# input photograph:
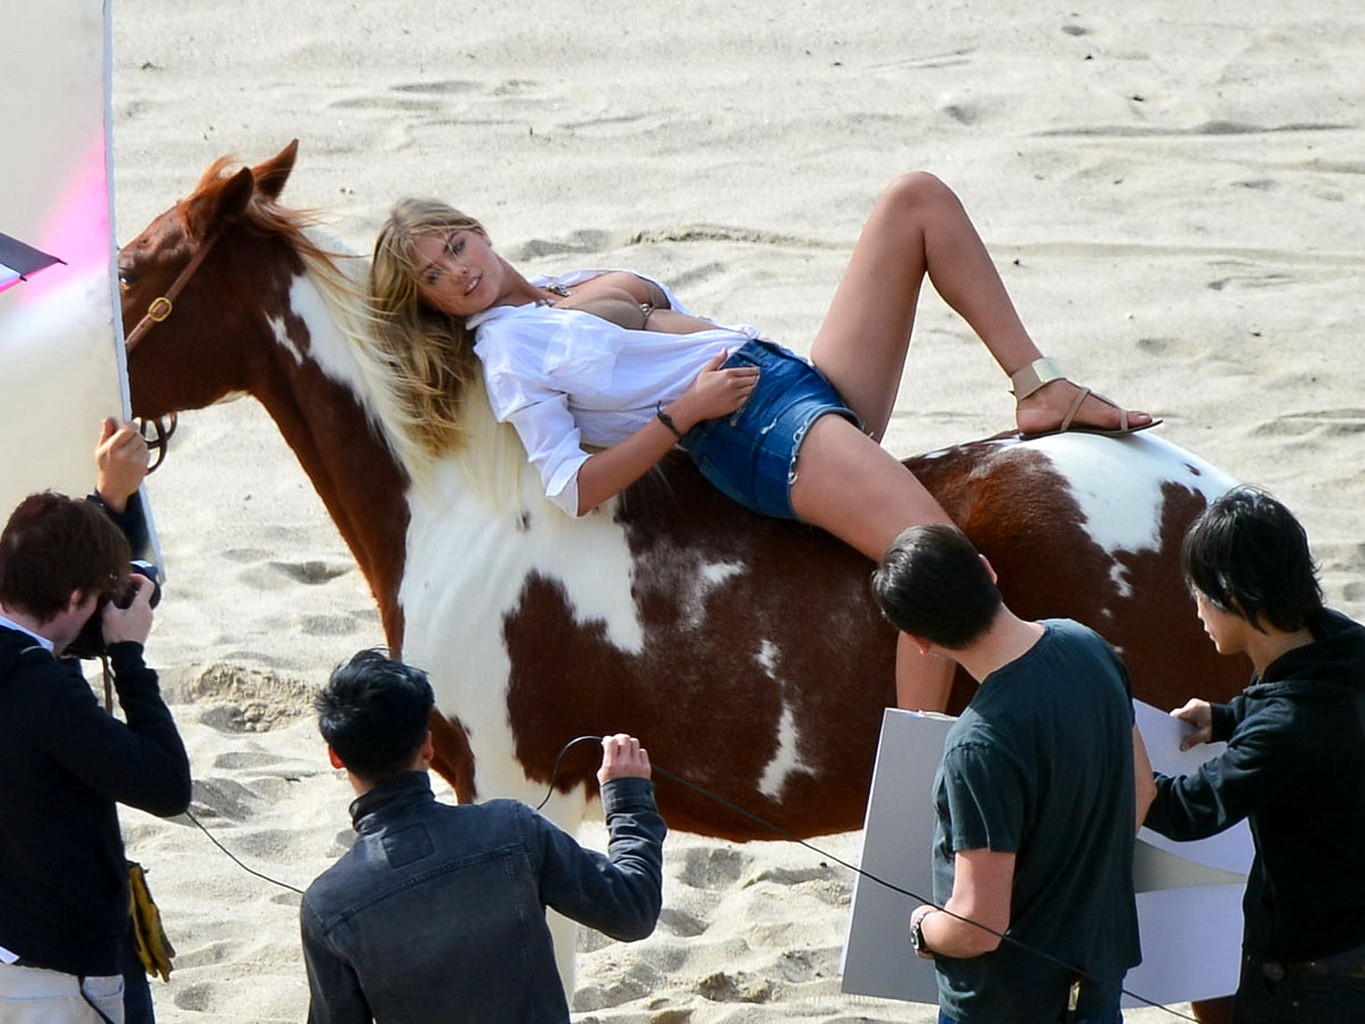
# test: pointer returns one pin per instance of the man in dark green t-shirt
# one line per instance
(1035, 799)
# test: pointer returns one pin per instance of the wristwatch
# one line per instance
(917, 942)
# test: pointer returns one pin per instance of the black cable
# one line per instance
(233, 857)
(790, 837)
(554, 772)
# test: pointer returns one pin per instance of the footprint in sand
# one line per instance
(269, 576)
(235, 760)
(735, 987)
(1184, 348)
(245, 555)
(222, 798)
(197, 998)
(582, 242)
(712, 867)
(328, 625)
(625, 985)
(681, 923)
(798, 965)
(1316, 422)
(449, 87)
(312, 572)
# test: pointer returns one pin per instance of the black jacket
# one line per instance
(64, 764)
(437, 914)
(1294, 765)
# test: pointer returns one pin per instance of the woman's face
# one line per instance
(457, 271)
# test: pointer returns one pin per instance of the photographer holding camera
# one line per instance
(66, 763)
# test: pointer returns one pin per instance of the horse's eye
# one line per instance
(126, 277)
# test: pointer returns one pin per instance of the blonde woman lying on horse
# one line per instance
(612, 361)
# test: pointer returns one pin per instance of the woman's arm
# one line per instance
(715, 392)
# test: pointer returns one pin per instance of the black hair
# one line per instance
(1249, 556)
(933, 584)
(374, 713)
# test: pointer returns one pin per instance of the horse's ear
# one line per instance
(273, 173)
(218, 204)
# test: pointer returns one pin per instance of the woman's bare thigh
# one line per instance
(849, 485)
(862, 344)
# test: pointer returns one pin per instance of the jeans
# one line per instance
(1297, 999)
(751, 455)
(137, 991)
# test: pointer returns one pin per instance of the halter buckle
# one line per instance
(159, 309)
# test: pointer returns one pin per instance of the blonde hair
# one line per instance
(430, 353)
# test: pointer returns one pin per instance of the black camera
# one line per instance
(89, 643)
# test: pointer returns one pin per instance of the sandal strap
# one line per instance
(1076, 407)
(1081, 396)
(1032, 376)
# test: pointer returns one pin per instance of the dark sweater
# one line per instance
(1295, 766)
(65, 764)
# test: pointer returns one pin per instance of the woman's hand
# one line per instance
(716, 392)
(1198, 714)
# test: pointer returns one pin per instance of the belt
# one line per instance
(1278, 971)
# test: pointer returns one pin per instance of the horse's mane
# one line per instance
(492, 459)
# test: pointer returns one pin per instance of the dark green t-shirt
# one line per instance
(1041, 765)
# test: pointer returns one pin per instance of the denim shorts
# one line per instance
(751, 455)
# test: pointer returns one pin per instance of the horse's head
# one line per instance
(185, 318)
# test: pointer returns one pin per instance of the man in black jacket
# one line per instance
(437, 914)
(66, 763)
(1294, 764)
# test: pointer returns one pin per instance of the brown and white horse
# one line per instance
(746, 652)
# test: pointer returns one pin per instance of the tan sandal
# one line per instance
(1032, 376)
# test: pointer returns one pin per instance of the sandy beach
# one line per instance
(1173, 194)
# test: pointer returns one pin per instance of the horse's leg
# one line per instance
(837, 460)
(564, 935)
(567, 811)
(919, 228)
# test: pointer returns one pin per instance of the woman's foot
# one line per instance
(1048, 403)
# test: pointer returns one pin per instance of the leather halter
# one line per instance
(158, 310)
(162, 306)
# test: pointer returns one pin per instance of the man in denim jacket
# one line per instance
(438, 912)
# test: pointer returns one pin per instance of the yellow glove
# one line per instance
(153, 948)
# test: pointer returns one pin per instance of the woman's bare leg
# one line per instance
(919, 228)
(837, 460)
(923, 682)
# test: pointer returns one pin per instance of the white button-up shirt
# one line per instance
(566, 378)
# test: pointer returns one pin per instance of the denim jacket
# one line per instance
(438, 912)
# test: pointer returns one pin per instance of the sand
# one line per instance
(1173, 193)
